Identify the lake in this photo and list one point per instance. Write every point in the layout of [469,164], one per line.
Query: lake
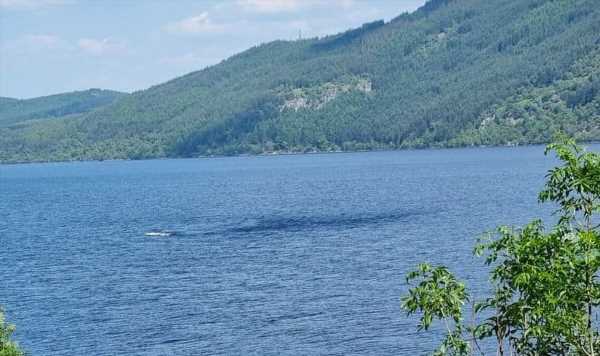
[272,255]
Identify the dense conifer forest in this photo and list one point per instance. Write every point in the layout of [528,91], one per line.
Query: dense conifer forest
[453,73]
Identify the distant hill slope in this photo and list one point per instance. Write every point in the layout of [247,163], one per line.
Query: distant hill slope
[4,100]
[13,111]
[453,73]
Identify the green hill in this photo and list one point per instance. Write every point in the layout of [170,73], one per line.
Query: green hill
[13,111]
[453,73]
[4,100]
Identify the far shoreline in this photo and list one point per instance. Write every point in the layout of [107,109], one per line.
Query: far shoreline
[290,153]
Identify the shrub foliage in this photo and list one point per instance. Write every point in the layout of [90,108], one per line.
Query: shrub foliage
[545,288]
[7,346]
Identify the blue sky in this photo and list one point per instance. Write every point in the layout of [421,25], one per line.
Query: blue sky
[53,46]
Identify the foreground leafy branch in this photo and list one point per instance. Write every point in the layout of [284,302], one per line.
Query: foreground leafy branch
[7,346]
[544,283]
[439,295]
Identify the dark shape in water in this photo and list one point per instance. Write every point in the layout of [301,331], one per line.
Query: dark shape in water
[299,223]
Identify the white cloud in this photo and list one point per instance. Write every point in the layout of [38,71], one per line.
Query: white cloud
[52,45]
[271,6]
[98,47]
[34,44]
[45,41]
[278,6]
[55,45]
[31,4]
[195,25]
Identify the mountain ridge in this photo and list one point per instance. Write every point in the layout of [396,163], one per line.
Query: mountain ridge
[14,111]
[453,73]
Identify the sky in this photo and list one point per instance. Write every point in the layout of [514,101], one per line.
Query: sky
[54,46]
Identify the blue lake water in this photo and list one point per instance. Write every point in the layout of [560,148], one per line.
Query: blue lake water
[279,255]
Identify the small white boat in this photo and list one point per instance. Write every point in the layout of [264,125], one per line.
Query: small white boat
[160,233]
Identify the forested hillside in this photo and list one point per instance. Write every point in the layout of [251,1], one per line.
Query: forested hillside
[13,111]
[453,73]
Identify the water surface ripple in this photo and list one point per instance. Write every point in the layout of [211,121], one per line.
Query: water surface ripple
[283,255]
